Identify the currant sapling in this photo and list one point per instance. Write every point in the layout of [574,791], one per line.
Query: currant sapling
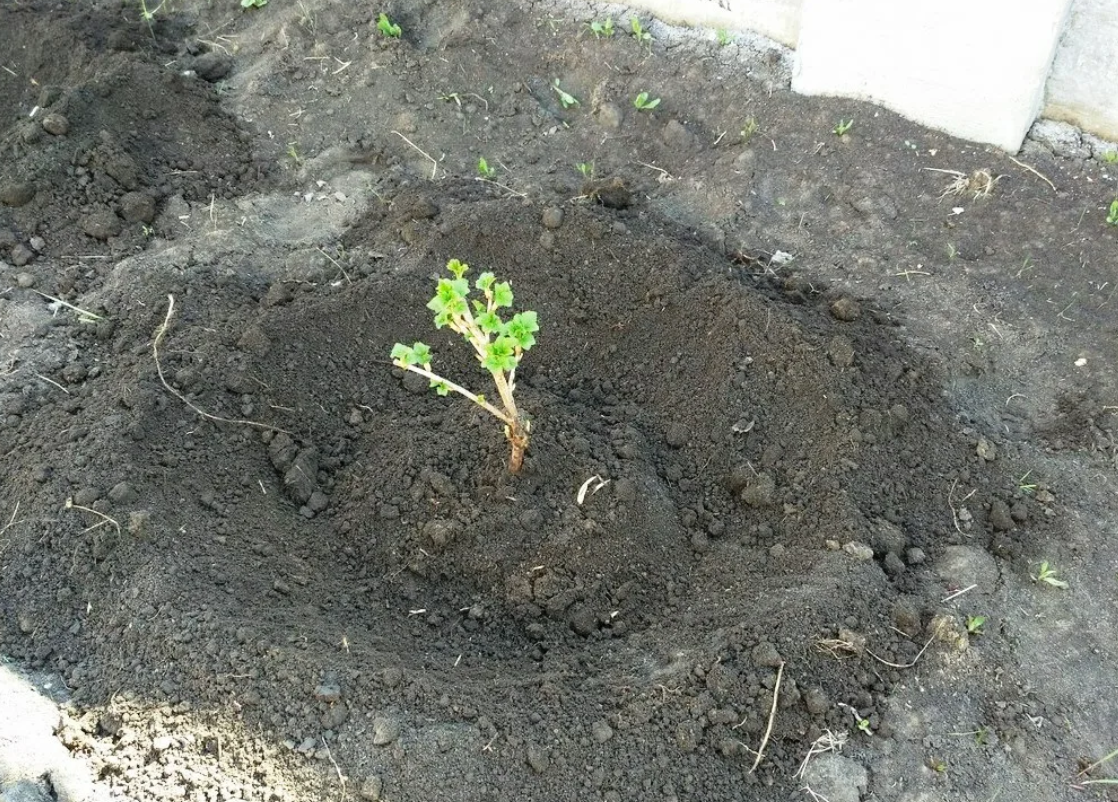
[498,344]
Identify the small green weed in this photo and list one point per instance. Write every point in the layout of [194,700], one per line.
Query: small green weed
[1047,574]
[498,344]
[602,29]
[645,103]
[387,27]
[148,15]
[639,33]
[1112,215]
[586,168]
[724,37]
[1024,485]
[1110,157]
[293,154]
[975,623]
[1095,765]
[247,4]
[484,170]
[748,129]
[843,126]
[937,765]
[565,98]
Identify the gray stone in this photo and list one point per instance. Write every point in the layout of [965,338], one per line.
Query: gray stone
[552,217]
[846,309]
[760,492]
[1000,517]
[677,137]
[816,701]
[385,730]
[538,759]
[840,350]
[101,224]
[22,255]
[859,551]
[610,116]
[894,566]
[601,731]
[887,537]
[137,207]
[371,788]
[212,66]
[16,193]
[677,435]
[301,479]
[906,616]
[25,280]
[963,566]
[583,620]
[123,493]
[765,655]
[836,778]
[56,124]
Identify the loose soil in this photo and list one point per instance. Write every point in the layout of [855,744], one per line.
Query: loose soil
[838,407]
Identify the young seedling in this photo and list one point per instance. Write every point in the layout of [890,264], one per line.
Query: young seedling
[724,37]
[247,4]
[748,129]
[1112,215]
[639,33]
[1095,765]
[565,98]
[975,624]
[1047,574]
[586,168]
[148,15]
[1025,486]
[498,344]
[293,154]
[1110,157]
[843,126]
[602,29]
[644,103]
[387,27]
[484,170]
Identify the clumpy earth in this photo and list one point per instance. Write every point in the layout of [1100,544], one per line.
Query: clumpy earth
[838,405]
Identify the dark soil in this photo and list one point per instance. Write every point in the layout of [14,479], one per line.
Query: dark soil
[837,413]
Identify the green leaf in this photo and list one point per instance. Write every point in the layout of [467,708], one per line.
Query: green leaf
[421,353]
[449,300]
[485,281]
[489,322]
[502,294]
[401,354]
[440,386]
[522,327]
[457,268]
[418,354]
[501,355]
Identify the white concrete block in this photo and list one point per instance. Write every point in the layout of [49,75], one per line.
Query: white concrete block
[974,69]
[776,19]
[1083,86]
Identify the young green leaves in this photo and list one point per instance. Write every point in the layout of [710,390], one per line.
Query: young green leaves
[387,27]
[498,344]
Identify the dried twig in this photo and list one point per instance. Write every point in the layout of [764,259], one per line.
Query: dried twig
[159,334]
[105,519]
[435,164]
[916,659]
[68,305]
[772,718]
[1034,171]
